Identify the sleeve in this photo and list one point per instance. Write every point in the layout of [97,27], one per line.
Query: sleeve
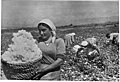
[61,49]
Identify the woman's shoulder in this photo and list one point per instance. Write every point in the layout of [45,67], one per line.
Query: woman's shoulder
[59,39]
[60,44]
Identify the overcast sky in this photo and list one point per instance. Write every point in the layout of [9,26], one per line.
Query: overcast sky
[22,13]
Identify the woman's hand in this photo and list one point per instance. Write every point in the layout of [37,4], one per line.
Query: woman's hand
[38,75]
[47,69]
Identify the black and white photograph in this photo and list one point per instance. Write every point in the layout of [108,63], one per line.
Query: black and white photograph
[60,40]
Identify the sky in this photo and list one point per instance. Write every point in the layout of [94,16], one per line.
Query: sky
[28,13]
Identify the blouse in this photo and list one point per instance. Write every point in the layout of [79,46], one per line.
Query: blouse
[52,51]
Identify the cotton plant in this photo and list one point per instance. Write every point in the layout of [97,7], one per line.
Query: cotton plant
[23,49]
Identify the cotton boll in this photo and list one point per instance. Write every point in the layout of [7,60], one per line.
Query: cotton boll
[9,49]
[82,51]
[90,53]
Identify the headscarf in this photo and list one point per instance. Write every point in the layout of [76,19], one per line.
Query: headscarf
[52,26]
[84,43]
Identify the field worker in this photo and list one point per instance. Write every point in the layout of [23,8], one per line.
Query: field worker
[53,50]
[69,39]
[112,38]
[90,46]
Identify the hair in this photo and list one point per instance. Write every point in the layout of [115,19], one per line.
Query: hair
[108,35]
[43,24]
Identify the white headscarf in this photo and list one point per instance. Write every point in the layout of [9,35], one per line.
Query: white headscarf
[84,43]
[52,26]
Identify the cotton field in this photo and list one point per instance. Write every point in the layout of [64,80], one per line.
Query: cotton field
[104,68]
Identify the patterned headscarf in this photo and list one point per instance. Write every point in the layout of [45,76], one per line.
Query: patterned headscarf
[52,26]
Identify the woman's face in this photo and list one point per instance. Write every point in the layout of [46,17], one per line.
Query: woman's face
[45,32]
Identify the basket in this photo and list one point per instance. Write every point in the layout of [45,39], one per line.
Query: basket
[21,71]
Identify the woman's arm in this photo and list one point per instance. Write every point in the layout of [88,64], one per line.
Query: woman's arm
[53,66]
[60,55]
[48,69]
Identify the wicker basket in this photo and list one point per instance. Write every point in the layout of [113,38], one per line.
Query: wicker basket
[22,71]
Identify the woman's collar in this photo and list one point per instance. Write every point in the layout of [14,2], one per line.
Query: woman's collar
[49,40]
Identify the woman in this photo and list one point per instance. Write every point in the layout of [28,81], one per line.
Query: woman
[69,39]
[112,38]
[90,46]
[53,51]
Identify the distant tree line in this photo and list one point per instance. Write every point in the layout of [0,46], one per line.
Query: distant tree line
[115,24]
[107,24]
